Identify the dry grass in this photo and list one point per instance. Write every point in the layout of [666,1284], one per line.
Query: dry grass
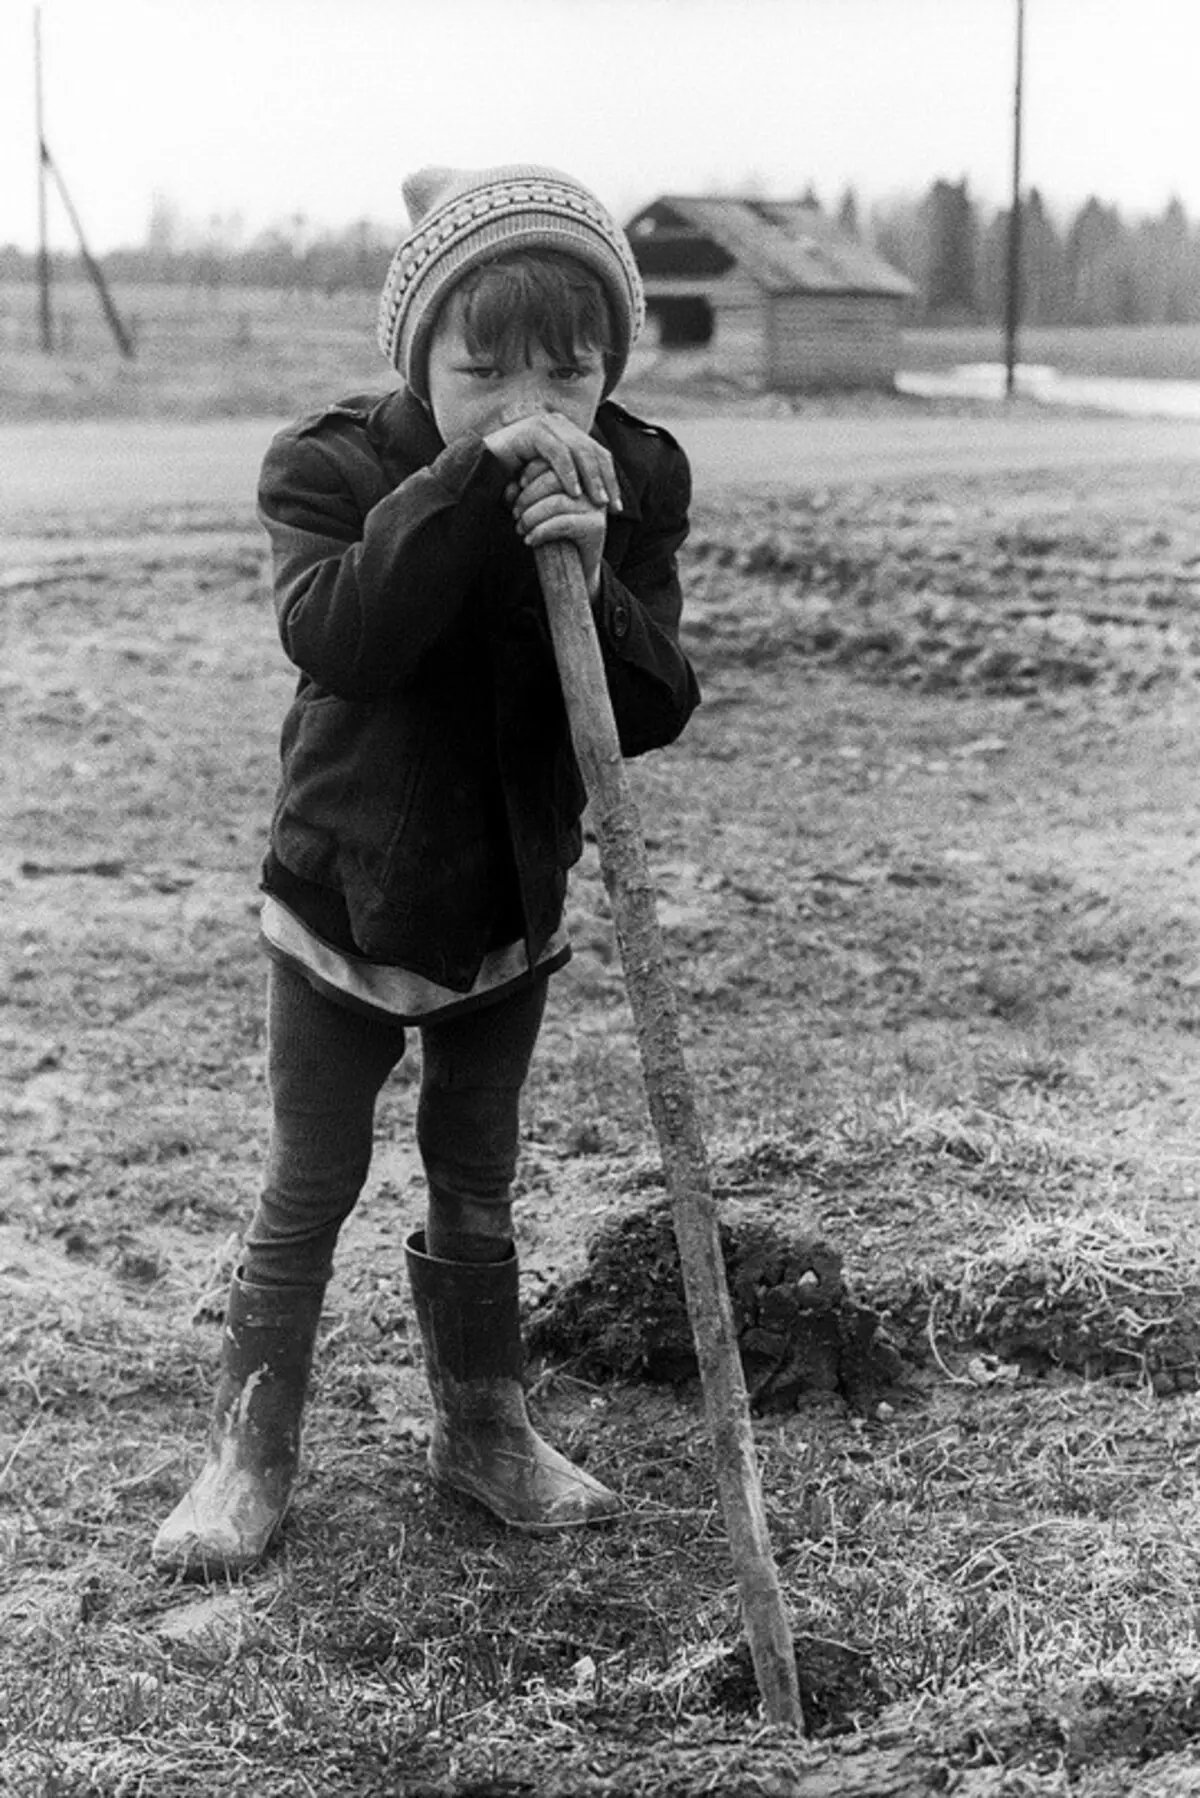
[1037,1536]
[201,353]
[936,957]
[1095,1292]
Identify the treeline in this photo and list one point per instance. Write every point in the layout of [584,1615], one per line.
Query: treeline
[1091,268]
[1094,267]
[288,254]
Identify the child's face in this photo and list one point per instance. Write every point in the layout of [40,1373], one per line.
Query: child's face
[471,394]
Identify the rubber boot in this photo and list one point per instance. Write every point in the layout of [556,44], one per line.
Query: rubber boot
[225,1522]
[483,1442]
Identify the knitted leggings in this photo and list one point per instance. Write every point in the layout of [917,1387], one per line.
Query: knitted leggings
[326,1066]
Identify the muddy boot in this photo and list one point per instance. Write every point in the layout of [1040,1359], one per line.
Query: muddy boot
[483,1442]
[225,1523]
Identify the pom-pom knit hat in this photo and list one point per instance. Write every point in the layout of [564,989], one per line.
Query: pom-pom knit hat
[464,217]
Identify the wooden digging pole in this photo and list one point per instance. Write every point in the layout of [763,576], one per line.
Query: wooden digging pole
[673,1113]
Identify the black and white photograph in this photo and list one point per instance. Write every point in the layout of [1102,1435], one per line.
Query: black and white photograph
[614,585]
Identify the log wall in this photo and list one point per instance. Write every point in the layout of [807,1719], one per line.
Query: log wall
[831,340]
[794,341]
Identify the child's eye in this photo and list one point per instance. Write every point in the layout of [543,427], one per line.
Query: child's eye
[483,371]
[569,372]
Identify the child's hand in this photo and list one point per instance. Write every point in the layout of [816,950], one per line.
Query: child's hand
[582,466]
[545,514]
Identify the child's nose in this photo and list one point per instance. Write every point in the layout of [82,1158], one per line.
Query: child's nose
[532,395]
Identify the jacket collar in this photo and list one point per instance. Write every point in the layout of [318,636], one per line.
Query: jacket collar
[399,423]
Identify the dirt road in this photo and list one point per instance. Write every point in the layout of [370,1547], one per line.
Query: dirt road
[102,466]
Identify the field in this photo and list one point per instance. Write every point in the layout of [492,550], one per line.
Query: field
[254,352]
[1139,352]
[199,352]
[927,867]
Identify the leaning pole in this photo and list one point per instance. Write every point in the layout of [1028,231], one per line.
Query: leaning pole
[674,1115]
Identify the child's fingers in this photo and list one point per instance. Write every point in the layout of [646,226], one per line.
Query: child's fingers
[549,444]
[585,529]
[568,517]
[593,470]
[564,527]
[595,478]
[539,487]
[535,470]
[597,472]
[582,465]
[544,487]
[553,443]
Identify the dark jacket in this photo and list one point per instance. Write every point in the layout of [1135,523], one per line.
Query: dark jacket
[429,798]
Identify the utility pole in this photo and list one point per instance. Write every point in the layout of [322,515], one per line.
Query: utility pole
[1013,298]
[120,335]
[47,165]
[47,325]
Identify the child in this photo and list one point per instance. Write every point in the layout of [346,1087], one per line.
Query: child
[429,808]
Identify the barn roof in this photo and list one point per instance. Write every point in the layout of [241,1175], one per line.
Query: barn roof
[785,246]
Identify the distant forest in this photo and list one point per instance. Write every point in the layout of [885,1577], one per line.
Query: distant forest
[1091,268]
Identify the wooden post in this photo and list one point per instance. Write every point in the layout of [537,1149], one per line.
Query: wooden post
[1012,306]
[123,340]
[44,313]
[47,165]
[672,1105]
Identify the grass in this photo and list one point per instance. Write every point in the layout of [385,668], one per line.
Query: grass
[200,353]
[1093,1291]
[934,939]
[927,1557]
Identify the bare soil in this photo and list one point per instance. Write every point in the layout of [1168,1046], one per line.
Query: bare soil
[927,862]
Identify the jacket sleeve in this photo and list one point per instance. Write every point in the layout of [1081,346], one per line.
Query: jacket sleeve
[651,683]
[362,600]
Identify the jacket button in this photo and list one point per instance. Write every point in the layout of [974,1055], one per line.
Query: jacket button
[620,619]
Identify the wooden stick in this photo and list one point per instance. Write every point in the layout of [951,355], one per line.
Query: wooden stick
[672,1104]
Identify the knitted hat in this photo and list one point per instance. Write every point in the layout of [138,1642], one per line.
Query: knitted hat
[464,217]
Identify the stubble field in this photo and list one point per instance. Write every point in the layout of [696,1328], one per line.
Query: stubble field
[927,864]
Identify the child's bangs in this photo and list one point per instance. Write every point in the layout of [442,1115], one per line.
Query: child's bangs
[507,306]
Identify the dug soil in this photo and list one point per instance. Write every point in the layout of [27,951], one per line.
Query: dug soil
[927,867]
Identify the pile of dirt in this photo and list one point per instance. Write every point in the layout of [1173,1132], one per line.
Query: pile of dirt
[799,1329]
[1032,1291]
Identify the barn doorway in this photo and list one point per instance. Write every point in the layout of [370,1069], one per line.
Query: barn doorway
[684,322]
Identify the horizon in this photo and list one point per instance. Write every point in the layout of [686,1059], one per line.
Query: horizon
[223,234]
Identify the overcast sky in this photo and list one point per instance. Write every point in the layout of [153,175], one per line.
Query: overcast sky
[269,108]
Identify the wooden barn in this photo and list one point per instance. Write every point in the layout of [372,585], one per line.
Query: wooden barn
[777,293]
